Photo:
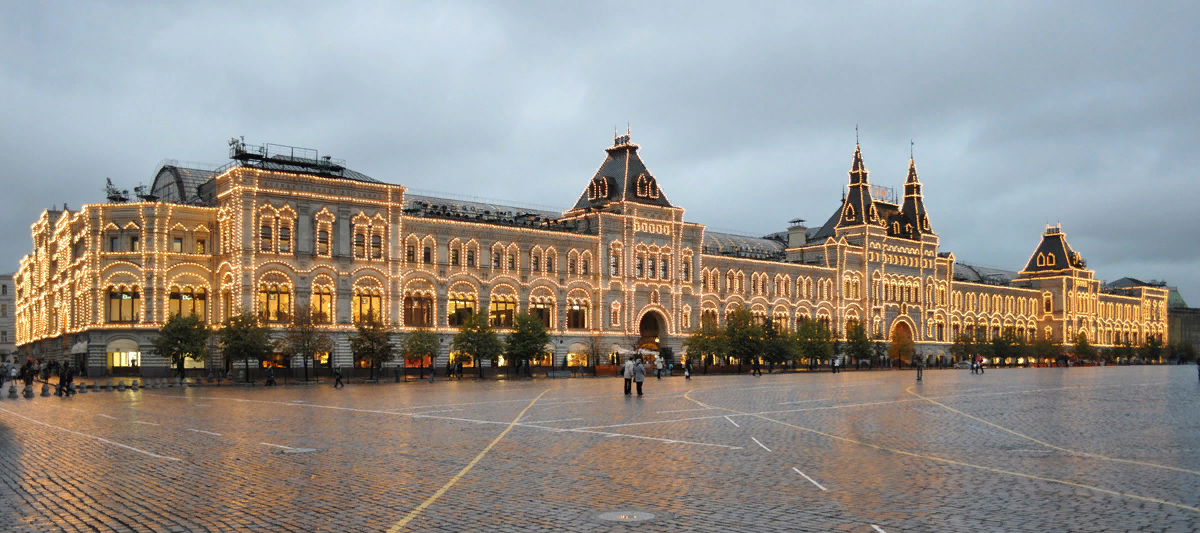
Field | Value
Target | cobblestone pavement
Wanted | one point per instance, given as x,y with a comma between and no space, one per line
1079,449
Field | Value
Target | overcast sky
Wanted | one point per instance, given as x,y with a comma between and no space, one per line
1022,114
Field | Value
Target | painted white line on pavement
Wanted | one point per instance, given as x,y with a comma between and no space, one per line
877,528
549,421
731,421
106,416
106,441
438,411
686,410
277,446
146,423
760,444
809,479
204,432
804,401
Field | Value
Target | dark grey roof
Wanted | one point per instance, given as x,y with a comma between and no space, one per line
174,183
333,172
981,274
471,208
622,177
1054,253
718,243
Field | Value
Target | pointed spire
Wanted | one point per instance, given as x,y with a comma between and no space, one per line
913,211
858,169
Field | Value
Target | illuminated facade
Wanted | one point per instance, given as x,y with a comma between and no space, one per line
280,227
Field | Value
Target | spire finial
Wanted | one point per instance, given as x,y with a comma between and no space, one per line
910,148
629,129
856,134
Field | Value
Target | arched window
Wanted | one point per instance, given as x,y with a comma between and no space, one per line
322,242
285,237
367,300
275,298
322,303
123,304
418,310
376,247
187,301
265,236
360,245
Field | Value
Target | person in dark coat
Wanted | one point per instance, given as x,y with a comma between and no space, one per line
337,377
627,372
756,368
919,359
639,375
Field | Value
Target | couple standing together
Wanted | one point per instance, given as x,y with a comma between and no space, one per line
634,372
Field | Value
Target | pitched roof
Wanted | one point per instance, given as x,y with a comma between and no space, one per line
622,177
913,219
175,183
1054,254
858,208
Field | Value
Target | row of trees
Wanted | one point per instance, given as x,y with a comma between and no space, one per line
1011,346
244,338
743,339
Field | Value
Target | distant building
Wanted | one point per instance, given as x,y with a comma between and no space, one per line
8,317
279,227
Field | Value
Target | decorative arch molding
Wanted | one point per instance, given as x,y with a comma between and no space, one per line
663,314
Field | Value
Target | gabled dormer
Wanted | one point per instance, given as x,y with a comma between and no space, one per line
913,221
1054,254
622,177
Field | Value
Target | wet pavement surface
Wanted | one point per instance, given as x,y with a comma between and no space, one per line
1079,449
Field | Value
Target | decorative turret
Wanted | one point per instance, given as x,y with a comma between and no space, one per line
913,220
857,208
622,177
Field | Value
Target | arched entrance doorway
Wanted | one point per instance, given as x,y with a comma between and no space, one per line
902,349
124,358
652,329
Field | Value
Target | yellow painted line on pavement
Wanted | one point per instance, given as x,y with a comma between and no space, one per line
1047,444
967,465
413,514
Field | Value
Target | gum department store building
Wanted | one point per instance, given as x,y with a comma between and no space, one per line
280,227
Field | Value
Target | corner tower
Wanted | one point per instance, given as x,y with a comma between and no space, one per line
858,209
912,221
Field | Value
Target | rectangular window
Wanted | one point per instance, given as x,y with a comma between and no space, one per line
457,311
470,258
495,260
177,245
3,336
418,311
3,310
501,314
264,237
285,238
427,255
323,242
543,311
200,246
360,245
453,257
687,272
583,267
571,266
666,269
512,261
133,244
640,269
410,253
535,263
377,246
112,245
550,264
614,266
651,270
577,317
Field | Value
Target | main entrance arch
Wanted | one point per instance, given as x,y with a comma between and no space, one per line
652,331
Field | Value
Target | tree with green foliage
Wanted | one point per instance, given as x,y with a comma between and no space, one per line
418,345
527,340
902,347
706,343
775,344
963,348
743,337
1083,350
1044,348
879,351
244,338
858,346
478,340
182,337
372,342
1123,351
1009,346
814,341
302,338
1151,350
1185,351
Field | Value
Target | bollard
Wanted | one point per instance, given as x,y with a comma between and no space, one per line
29,391
183,383
71,389
153,384
162,383
121,386
12,391
83,388
45,389
168,382
134,385
108,386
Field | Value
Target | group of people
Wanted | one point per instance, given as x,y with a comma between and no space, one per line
31,371
634,371
977,365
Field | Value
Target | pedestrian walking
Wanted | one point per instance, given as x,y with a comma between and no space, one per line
337,377
270,377
628,374
756,367
639,375
837,363
920,364
980,359
658,368
70,377
687,370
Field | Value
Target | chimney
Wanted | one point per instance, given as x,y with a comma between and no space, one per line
797,233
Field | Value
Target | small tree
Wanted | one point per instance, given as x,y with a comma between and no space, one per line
477,340
420,344
1044,348
706,342
858,346
593,346
880,350
902,346
527,340
1082,349
244,338
775,343
302,338
372,342
743,337
1152,349
814,341
182,337
963,348
1185,351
